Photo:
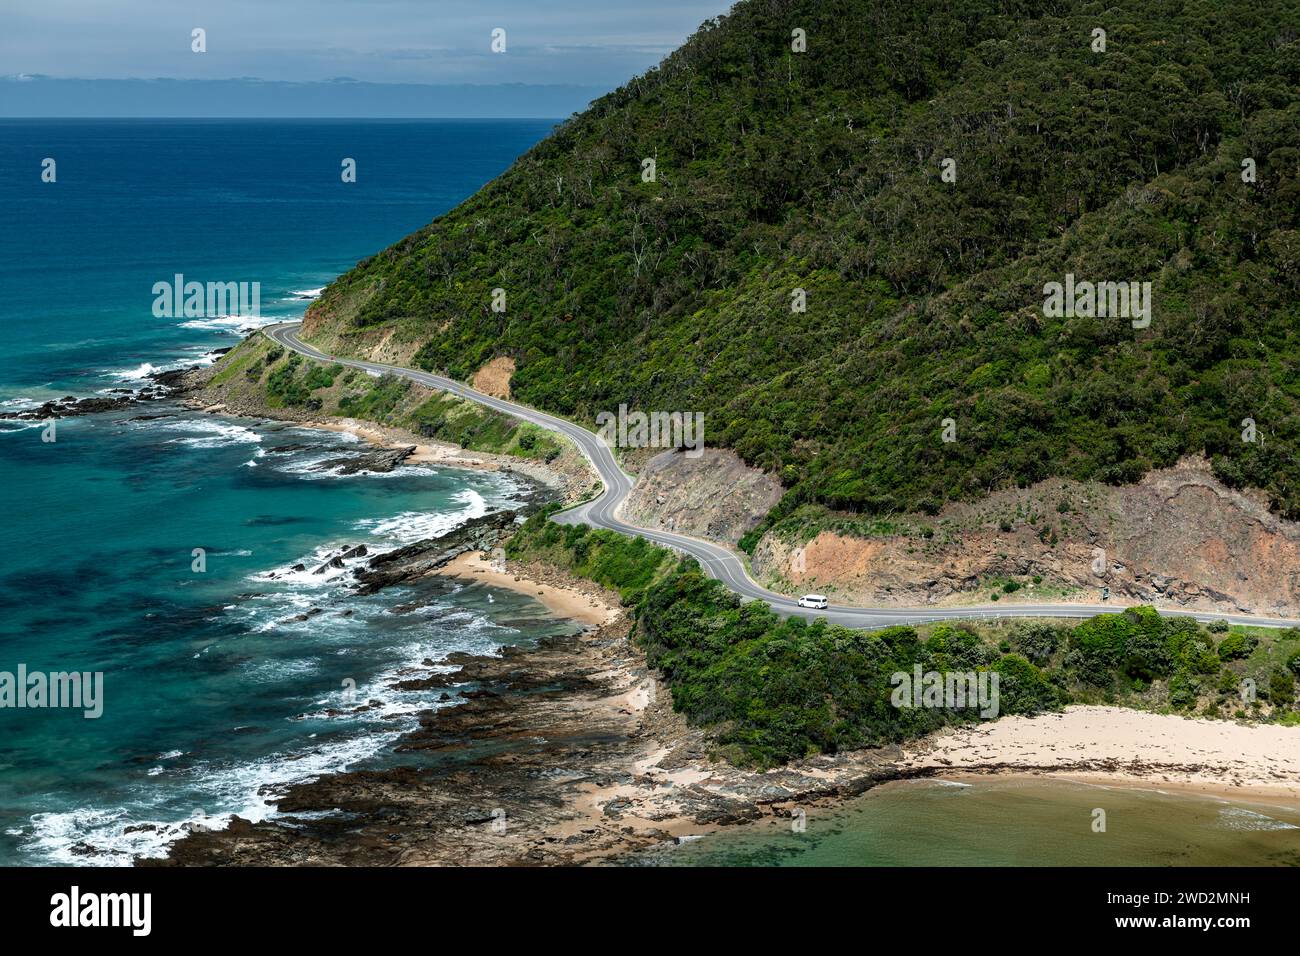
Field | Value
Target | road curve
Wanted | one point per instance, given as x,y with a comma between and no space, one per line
717,561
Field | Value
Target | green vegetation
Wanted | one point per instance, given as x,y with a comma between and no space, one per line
821,171
252,362
774,689
810,520
1236,646
451,419
288,380
293,381
376,398
614,561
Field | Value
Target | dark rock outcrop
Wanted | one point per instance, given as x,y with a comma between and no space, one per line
380,460
418,559
161,385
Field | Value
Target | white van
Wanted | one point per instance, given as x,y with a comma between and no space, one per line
817,601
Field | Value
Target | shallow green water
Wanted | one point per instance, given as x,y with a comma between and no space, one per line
1011,822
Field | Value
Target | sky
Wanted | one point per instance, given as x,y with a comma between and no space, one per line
567,42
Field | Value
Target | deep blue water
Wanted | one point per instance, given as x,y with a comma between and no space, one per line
211,688
138,201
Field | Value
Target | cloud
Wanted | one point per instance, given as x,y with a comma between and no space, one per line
396,41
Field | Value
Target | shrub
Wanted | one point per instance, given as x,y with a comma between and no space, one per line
1022,688
1281,688
1236,646
1183,689
1037,641
1147,655
1098,646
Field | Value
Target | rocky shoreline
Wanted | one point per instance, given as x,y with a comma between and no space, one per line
569,475
563,753
162,385
567,752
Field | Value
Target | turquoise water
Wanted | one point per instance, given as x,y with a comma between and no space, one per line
215,695
1011,821
212,690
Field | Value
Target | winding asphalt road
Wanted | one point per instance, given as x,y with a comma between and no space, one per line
717,561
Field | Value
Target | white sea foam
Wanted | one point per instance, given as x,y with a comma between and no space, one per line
237,324
1239,818
307,577
27,398
248,790
308,467
307,293
276,671
159,816
205,357
213,433
415,525
140,373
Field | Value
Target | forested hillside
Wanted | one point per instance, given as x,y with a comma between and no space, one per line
821,170
773,689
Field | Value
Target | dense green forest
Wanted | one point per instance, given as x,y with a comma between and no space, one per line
822,170
773,689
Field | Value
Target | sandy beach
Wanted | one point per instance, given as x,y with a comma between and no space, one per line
1126,747
575,745
652,780
565,602
440,453
1105,745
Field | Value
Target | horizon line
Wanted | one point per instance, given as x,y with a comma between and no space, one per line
306,119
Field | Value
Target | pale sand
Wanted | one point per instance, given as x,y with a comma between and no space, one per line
439,453
1127,747
564,602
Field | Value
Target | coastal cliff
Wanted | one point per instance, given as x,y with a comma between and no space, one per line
261,380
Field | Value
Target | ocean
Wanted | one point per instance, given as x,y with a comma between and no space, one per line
1010,821
213,690
216,692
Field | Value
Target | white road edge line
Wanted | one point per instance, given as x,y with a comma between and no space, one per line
717,562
